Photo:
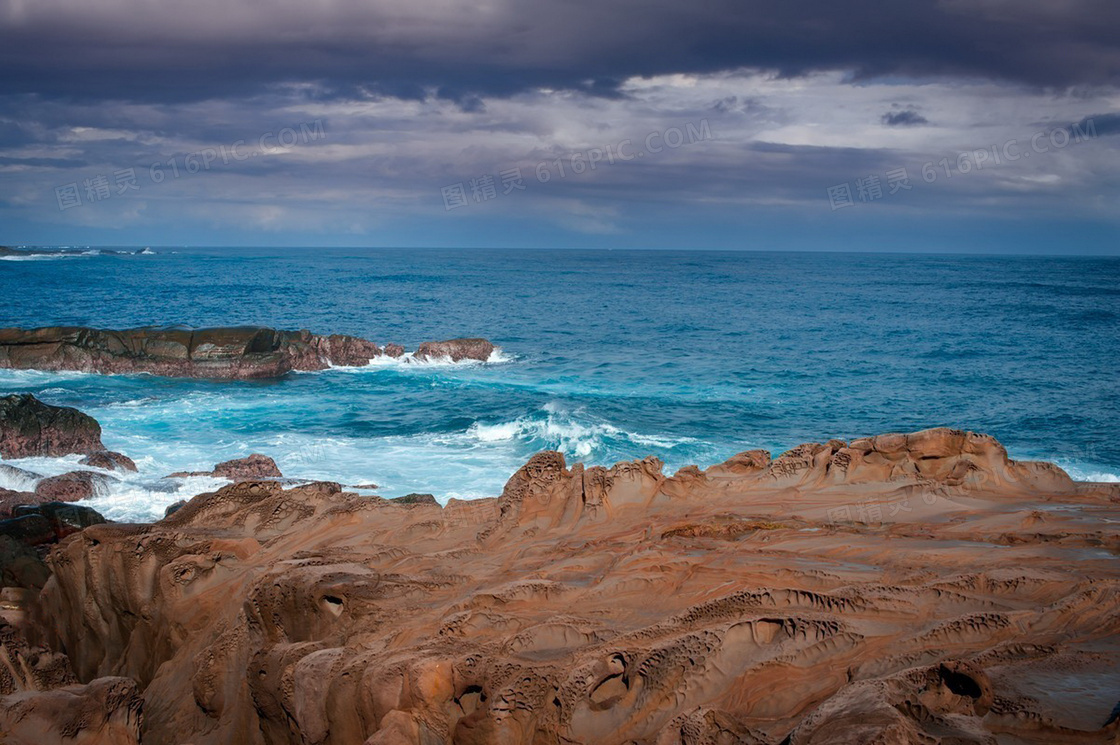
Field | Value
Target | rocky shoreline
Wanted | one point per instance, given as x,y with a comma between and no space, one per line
899,589
245,352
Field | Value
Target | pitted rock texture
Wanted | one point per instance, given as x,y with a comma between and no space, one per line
902,589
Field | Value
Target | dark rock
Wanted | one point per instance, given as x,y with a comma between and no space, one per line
70,487
455,349
29,427
21,565
109,460
30,530
393,350
173,508
64,519
415,499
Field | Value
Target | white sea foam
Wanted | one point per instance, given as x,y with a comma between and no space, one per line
17,478
40,257
409,361
575,434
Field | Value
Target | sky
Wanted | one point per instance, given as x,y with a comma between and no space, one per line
871,125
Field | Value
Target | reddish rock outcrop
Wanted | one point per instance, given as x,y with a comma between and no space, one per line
237,353
69,487
29,427
899,589
10,499
109,460
456,350
254,466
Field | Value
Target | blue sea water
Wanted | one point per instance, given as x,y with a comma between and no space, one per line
691,356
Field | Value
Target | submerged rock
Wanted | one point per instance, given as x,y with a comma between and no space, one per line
29,428
109,460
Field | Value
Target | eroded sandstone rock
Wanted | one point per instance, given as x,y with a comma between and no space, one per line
614,606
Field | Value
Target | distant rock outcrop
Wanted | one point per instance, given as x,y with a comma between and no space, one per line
29,427
455,350
235,353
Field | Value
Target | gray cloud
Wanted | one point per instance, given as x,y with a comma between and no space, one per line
133,50
904,118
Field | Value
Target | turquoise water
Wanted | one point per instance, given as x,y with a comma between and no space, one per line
608,355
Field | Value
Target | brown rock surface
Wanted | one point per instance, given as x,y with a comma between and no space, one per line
29,427
900,589
107,711
253,466
109,460
456,350
69,487
237,352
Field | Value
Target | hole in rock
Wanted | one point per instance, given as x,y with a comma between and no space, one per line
608,692
961,684
333,604
471,699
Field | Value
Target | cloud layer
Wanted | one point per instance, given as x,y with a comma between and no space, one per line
414,97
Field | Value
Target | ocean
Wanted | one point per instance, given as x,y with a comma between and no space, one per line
690,356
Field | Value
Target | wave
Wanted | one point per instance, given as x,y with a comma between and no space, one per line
41,257
408,361
10,378
1089,472
574,434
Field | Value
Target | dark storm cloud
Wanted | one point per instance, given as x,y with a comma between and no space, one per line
905,118
43,162
134,50
1100,125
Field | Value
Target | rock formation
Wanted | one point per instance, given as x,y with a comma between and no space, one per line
238,353
70,487
110,461
29,427
254,466
902,589
455,350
